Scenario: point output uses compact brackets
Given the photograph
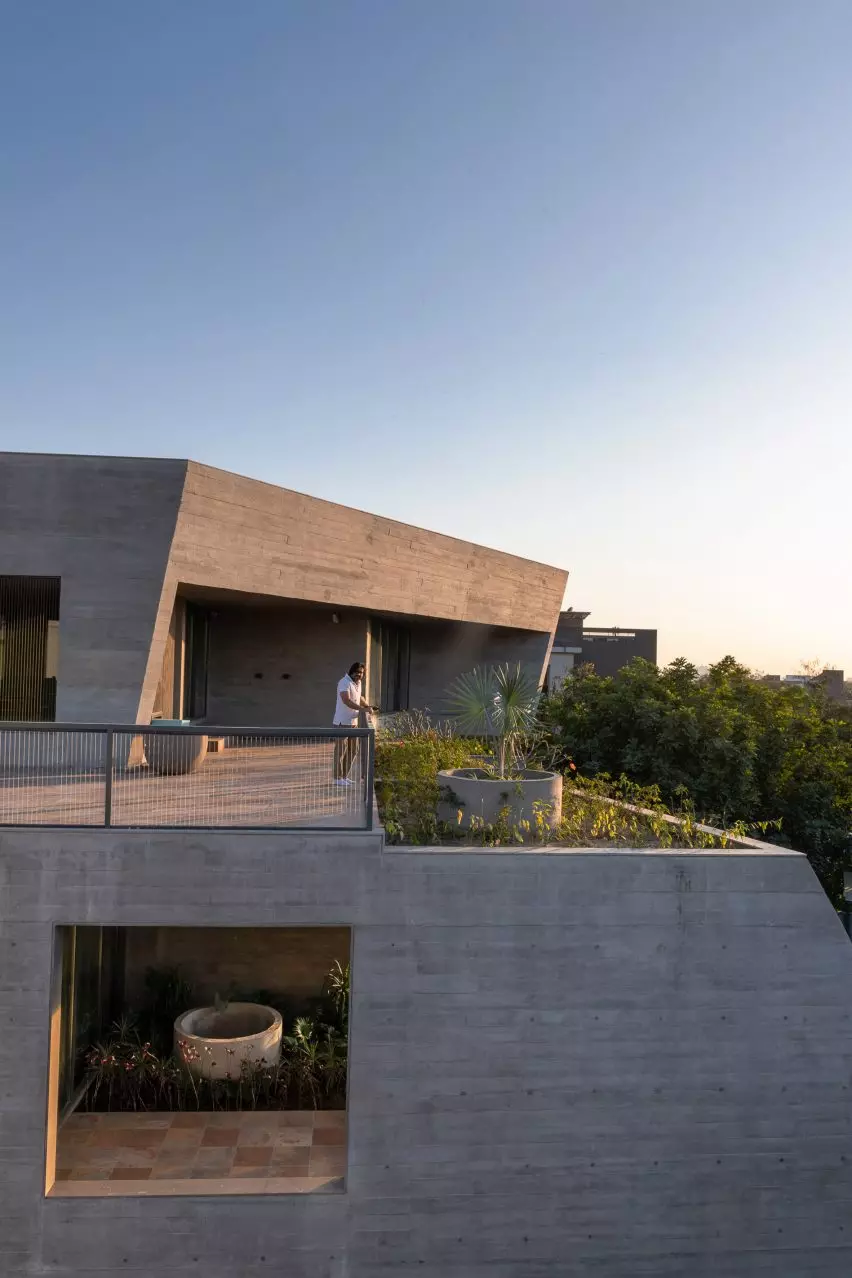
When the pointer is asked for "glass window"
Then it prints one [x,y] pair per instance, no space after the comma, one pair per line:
[390,661]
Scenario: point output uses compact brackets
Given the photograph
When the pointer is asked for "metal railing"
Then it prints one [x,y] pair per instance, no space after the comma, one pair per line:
[185,777]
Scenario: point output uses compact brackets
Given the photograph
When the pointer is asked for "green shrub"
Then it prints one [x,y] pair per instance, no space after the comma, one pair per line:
[740,750]
[407,791]
[126,1072]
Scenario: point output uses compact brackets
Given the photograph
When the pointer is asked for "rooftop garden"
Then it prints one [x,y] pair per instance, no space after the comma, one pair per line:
[647,758]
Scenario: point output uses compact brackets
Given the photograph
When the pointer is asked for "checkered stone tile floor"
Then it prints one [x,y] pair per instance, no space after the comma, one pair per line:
[274,1152]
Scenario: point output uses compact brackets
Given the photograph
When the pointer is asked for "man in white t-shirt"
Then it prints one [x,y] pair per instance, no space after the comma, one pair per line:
[347,714]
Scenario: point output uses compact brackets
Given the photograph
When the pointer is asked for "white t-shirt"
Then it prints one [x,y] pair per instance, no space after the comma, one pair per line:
[344,715]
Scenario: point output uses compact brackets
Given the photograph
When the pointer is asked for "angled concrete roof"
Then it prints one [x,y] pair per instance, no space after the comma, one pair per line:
[124,533]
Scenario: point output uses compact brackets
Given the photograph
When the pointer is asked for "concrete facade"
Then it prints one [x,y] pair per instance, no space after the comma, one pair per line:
[562,1063]
[105,527]
[444,649]
[130,538]
[279,665]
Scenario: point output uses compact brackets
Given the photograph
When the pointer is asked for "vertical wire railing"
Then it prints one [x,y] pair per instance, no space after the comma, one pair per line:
[188,777]
[51,776]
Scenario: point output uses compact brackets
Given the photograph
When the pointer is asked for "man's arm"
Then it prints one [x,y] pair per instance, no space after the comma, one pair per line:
[355,705]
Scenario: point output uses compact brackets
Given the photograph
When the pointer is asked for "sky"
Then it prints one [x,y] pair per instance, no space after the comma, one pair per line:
[570,278]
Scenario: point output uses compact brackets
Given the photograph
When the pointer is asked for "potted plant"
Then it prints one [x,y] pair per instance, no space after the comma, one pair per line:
[500,703]
[174,753]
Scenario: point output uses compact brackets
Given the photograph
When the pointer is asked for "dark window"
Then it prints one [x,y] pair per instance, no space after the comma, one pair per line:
[390,662]
[195,672]
[29,647]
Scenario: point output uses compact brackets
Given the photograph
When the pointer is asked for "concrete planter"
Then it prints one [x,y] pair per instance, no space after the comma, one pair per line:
[476,794]
[172,755]
[214,1043]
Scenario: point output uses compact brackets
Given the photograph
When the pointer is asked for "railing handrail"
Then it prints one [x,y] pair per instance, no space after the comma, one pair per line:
[187,729]
[13,733]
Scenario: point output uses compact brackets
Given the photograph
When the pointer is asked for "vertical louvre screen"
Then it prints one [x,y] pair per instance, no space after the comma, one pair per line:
[29,648]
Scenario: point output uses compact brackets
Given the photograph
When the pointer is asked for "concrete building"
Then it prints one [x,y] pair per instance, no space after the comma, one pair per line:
[561,1063]
[620,1063]
[140,588]
[607,650]
[832,681]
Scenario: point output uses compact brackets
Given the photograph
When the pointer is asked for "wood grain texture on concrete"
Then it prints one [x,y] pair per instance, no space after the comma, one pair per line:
[614,1064]
[127,534]
[104,525]
[241,534]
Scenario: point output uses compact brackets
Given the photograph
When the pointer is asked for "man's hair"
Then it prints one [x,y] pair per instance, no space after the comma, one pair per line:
[356,665]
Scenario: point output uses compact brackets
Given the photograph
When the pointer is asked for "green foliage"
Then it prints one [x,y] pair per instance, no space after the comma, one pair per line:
[127,1072]
[593,814]
[337,988]
[739,750]
[599,813]
[407,791]
[497,702]
[406,724]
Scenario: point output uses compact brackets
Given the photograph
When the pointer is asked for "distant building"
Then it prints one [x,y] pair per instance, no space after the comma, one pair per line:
[831,680]
[606,649]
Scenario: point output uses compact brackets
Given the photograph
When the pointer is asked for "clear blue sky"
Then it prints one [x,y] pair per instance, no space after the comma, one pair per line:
[568,277]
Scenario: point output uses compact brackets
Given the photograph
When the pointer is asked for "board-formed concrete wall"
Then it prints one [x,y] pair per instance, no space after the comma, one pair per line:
[290,962]
[240,534]
[125,534]
[251,650]
[442,650]
[104,525]
[612,1064]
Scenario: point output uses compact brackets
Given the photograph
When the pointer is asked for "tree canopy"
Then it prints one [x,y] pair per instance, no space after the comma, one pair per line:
[735,748]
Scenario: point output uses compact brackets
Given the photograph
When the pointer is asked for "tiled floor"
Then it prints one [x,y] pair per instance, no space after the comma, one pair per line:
[274,1152]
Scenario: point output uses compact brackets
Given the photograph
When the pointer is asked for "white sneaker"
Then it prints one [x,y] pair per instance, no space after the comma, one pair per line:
[343,781]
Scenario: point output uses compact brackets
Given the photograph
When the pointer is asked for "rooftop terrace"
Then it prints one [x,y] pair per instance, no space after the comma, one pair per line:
[185,777]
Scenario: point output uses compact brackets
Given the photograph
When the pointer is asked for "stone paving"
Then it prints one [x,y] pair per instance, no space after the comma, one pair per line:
[254,1152]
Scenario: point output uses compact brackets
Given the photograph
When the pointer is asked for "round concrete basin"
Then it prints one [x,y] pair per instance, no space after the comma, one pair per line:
[213,1042]
[534,796]
[174,754]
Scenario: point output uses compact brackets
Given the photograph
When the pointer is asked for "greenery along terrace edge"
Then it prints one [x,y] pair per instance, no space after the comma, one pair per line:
[595,812]
[722,749]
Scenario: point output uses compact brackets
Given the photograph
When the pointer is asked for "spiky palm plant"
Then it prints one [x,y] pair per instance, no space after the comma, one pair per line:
[496,701]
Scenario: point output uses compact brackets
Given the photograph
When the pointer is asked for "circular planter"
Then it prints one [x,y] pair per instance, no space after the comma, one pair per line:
[476,794]
[213,1043]
[173,754]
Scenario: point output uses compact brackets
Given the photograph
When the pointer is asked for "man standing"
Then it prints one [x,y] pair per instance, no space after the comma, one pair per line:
[347,712]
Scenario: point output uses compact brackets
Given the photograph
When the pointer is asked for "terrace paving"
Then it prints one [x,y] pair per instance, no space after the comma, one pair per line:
[273,786]
[249,1152]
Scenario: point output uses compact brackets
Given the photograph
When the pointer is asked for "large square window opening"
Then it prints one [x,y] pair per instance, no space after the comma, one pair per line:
[180,1057]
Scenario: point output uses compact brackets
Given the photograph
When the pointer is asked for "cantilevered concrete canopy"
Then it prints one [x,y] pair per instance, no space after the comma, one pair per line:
[132,539]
